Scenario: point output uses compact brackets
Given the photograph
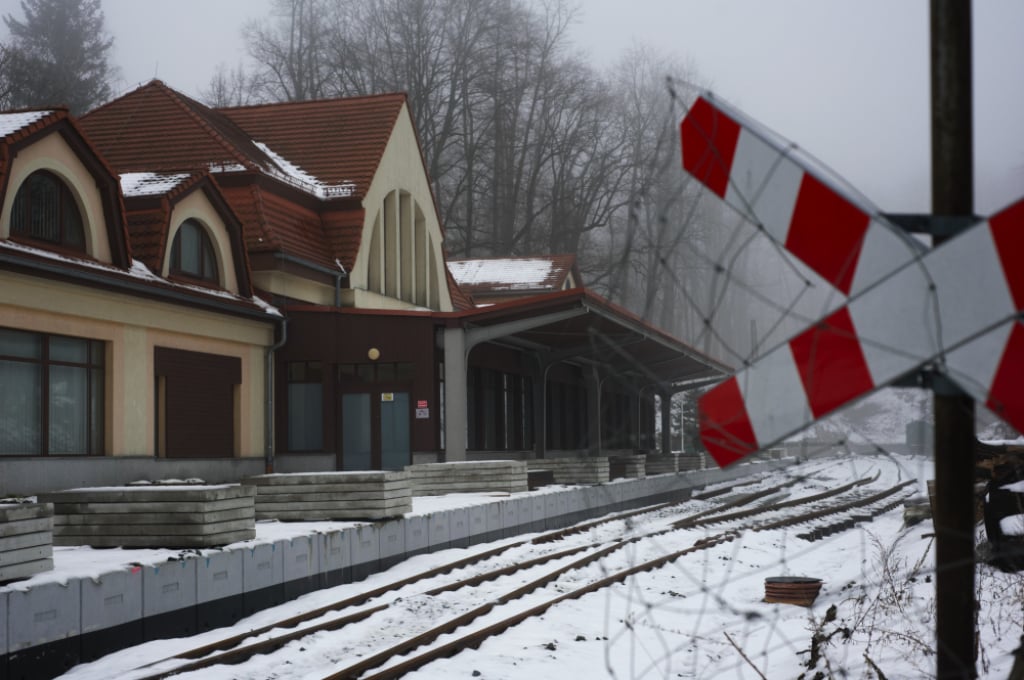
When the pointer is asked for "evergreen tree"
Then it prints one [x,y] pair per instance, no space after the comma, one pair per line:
[59,55]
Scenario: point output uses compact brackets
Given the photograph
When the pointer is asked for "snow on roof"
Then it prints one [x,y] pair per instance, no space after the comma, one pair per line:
[12,122]
[293,174]
[503,273]
[138,271]
[149,183]
[226,166]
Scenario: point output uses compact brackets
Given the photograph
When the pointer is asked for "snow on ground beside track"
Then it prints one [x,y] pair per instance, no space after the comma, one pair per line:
[687,620]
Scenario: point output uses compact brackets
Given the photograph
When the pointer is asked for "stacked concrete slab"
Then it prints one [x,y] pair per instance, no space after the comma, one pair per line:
[26,540]
[153,516]
[332,495]
[435,479]
[574,470]
[661,465]
[629,467]
[692,461]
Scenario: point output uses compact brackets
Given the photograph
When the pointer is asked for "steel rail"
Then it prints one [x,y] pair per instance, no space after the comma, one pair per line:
[474,639]
[231,650]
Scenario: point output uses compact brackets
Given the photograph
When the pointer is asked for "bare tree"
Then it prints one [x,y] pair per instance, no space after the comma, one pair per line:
[437,51]
[529,148]
[290,51]
[232,87]
[654,243]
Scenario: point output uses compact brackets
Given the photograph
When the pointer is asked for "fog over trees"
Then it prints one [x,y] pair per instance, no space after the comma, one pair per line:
[57,54]
[531,148]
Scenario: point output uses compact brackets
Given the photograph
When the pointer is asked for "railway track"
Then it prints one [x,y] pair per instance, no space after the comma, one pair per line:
[815,515]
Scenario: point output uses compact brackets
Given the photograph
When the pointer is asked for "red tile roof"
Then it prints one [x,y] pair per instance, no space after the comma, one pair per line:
[157,129]
[292,228]
[335,140]
[333,146]
[147,230]
[336,144]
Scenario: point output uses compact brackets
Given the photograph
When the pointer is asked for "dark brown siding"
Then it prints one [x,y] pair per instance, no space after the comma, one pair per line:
[200,402]
[340,338]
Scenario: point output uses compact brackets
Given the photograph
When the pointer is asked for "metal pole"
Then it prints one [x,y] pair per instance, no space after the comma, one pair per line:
[953,195]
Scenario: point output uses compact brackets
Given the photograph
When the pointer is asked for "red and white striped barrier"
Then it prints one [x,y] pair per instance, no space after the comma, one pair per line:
[954,306]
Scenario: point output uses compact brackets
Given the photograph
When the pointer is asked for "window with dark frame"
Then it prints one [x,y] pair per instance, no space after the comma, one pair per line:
[53,397]
[353,375]
[499,410]
[192,253]
[45,210]
[305,406]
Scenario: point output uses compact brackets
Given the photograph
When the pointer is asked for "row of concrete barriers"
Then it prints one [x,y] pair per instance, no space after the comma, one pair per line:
[49,626]
[200,515]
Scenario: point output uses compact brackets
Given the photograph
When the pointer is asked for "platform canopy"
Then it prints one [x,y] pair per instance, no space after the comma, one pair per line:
[582,327]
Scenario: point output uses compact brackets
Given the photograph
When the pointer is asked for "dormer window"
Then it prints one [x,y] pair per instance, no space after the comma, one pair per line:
[192,254]
[45,210]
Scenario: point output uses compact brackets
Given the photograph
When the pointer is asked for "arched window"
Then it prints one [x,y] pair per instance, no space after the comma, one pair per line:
[45,210]
[192,253]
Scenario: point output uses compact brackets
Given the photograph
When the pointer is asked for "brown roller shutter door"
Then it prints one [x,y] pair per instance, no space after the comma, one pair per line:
[199,402]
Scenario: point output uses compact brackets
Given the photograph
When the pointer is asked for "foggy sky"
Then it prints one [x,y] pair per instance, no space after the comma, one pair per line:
[847,81]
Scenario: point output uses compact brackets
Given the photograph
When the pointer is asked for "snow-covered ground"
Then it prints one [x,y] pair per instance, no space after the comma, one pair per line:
[690,620]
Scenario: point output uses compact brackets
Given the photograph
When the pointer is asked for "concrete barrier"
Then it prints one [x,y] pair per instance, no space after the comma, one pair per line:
[417,539]
[477,517]
[45,642]
[336,557]
[495,523]
[169,599]
[439,530]
[111,610]
[365,551]
[262,576]
[301,566]
[219,584]
[458,520]
[392,543]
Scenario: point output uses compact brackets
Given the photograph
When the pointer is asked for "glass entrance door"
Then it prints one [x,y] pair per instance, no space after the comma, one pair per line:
[394,430]
[375,430]
[356,432]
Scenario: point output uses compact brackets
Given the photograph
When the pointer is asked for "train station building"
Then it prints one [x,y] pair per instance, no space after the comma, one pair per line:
[197,292]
